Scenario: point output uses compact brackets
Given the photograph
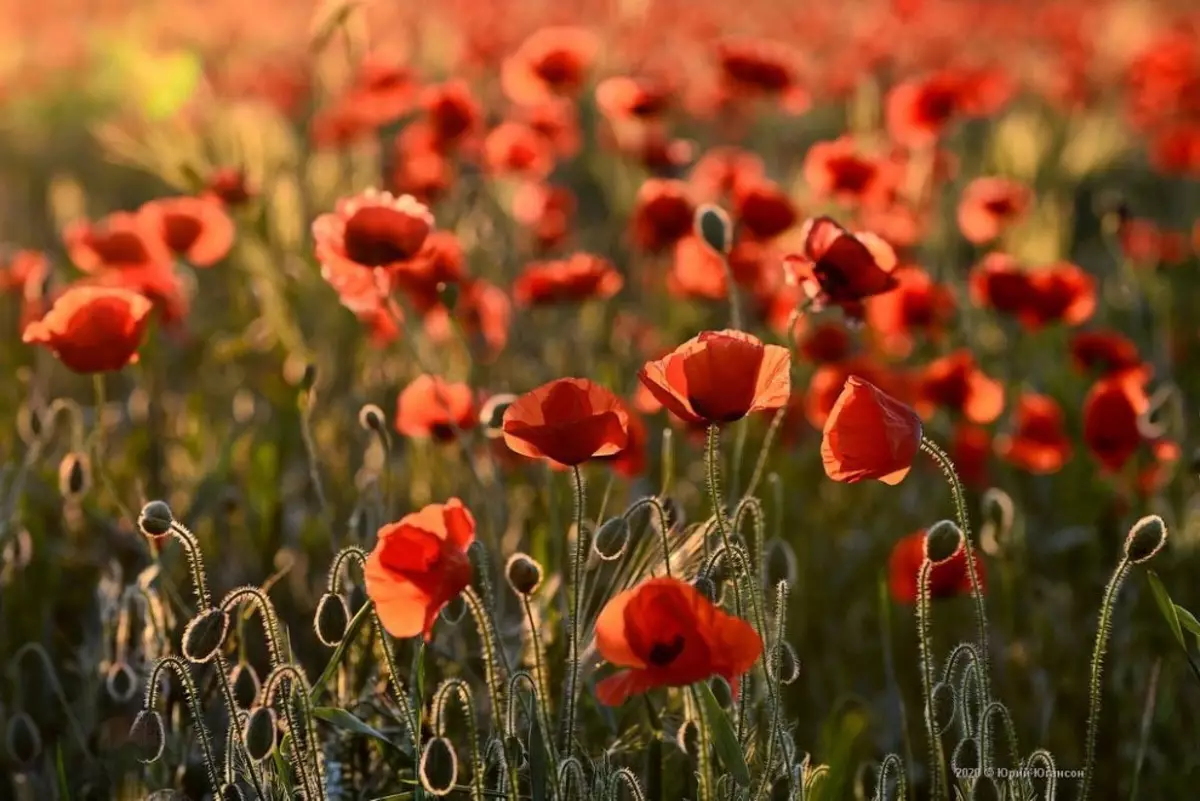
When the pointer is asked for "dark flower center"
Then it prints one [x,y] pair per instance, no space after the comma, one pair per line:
[377,236]
[664,653]
[181,231]
[120,248]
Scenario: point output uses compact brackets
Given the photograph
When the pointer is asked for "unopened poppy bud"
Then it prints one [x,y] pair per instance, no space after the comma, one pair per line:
[943,541]
[448,292]
[230,792]
[944,704]
[515,752]
[687,738]
[439,767]
[1146,538]
[30,425]
[786,666]
[331,619]
[371,418]
[245,684]
[148,736]
[258,735]
[491,414]
[998,515]
[74,475]
[120,682]
[524,574]
[707,587]
[204,636]
[22,740]
[611,538]
[714,227]
[156,519]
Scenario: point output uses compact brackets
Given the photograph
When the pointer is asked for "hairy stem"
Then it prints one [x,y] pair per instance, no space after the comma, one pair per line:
[1094,685]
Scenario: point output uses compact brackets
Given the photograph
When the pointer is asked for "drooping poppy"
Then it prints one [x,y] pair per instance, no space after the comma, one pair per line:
[869,434]
[827,382]
[663,213]
[989,206]
[568,420]
[197,229]
[665,633]
[1038,444]
[1111,412]
[917,304]
[948,579]
[553,61]
[836,267]
[719,377]
[418,565]
[955,382]
[580,277]
[432,407]
[93,329]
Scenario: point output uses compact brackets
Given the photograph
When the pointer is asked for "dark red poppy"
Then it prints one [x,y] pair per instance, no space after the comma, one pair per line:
[1175,149]
[869,435]
[431,407]
[1001,283]
[1060,293]
[836,267]
[426,275]
[451,111]
[230,186]
[580,277]
[826,343]
[1038,444]
[371,230]
[836,170]
[1105,351]
[919,109]
[516,149]
[419,565]
[948,579]
[763,209]
[626,98]
[761,67]
[663,213]
[665,633]
[93,329]
[569,421]
[719,377]
[970,450]
[1111,412]
[120,241]
[554,61]
[989,206]
[196,229]
[956,383]
[917,304]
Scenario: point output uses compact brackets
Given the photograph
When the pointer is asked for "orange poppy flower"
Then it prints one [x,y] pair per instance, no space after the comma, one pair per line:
[665,633]
[516,149]
[919,109]
[121,240]
[948,579]
[663,213]
[989,206]
[552,62]
[93,329]
[1038,443]
[568,420]
[826,384]
[433,407]
[839,268]
[918,303]
[1105,351]
[836,170]
[197,229]
[970,450]
[419,565]
[719,377]
[763,209]
[579,277]
[1111,412]
[869,434]
[624,98]
[955,382]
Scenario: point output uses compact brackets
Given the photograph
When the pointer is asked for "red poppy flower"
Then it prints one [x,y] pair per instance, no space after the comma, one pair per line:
[25,272]
[569,421]
[763,209]
[197,229]
[516,149]
[433,407]
[918,303]
[93,329]
[663,213]
[999,282]
[371,230]
[437,264]
[1105,351]
[579,277]
[558,123]
[970,450]
[1038,443]
[826,384]
[452,112]
[667,634]
[827,343]
[419,565]
[722,169]
[1063,292]
[1111,412]
[420,168]
[624,98]
[947,579]
[989,206]
[719,377]
[836,170]
[955,382]
[121,241]
[552,62]
[919,109]
[631,461]
[761,67]
[382,92]
[869,434]
[836,267]
[230,186]
[548,211]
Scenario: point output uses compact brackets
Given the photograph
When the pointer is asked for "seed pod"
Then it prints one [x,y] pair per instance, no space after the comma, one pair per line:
[439,767]
[331,620]
[706,587]
[611,539]
[156,519]
[943,541]
[204,635]
[121,682]
[147,736]
[259,733]
[524,574]
[371,418]
[245,684]
[1146,538]
[74,476]
[22,739]
[714,227]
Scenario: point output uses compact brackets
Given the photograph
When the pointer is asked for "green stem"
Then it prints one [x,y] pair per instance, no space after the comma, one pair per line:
[1094,686]
[574,624]
[935,740]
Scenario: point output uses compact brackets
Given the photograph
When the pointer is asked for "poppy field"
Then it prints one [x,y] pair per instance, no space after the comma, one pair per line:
[600,399]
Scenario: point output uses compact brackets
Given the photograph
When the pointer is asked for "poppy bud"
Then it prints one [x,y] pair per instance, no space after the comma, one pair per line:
[121,682]
[965,759]
[787,664]
[74,475]
[714,227]
[1146,538]
[148,736]
[707,587]
[439,767]
[491,414]
[611,539]
[371,418]
[515,752]
[156,519]
[245,684]
[687,738]
[448,292]
[258,735]
[230,792]
[30,425]
[22,740]
[998,514]
[454,610]
[944,704]
[524,574]
[331,619]
[204,635]
[943,542]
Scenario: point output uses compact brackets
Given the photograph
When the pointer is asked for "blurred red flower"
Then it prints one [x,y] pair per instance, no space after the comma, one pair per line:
[1062,292]
[93,329]
[1038,444]
[956,383]
[1111,412]
[452,112]
[196,229]
[827,343]
[548,211]
[917,304]
[1105,351]
[869,434]
[721,170]
[839,268]
[763,209]
[431,407]
[751,67]
[516,149]
[551,62]
[569,421]
[663,213]
[970,451]
[581,276]
[919,109]
[837,170]
[826,384]
[999,282]
[120,241]
[230,186]
[947,579]
[622,98]
[989,206]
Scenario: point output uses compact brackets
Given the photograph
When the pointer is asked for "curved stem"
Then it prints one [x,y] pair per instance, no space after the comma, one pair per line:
[191,549]
[663,533]
[490,642]
[462,690]
[540,674]
[304,738]
[181,670]
[1094,686]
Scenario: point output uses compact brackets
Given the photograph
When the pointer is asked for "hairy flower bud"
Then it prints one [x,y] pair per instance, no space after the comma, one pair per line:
[1146,538]
[943,541]
[611,539]
[156,519]
[245,684]
[331,620]
[22,739]
[258,735]
[524,574]
[74,476]
[204,635]
[148,736]
[371,418]
[439,767]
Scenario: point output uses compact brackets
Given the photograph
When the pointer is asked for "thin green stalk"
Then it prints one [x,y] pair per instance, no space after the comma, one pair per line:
[937,767]
[1144,735]
[574,624]
[491,648]
[1094,686]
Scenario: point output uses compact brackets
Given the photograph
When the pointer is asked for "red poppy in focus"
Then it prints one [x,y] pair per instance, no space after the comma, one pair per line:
[433,407]
[918,303]
[970,451]
[826,384]
[419,565]
[580,277]
[720,376]
[836,170]
[452,112]
[548,211]
[763,209]
[947,579]
[1038,443]
[552,62]
[1001,283]
[230,186]
[569,421]
[120,241]
[989,206]
[516,149]
[93,329]
[197,229]
[624,98]
[663,213]
[839,268]
[955,382]
[919,109]
[665,633]
[1111,412]
[1105,351]
[869,434]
